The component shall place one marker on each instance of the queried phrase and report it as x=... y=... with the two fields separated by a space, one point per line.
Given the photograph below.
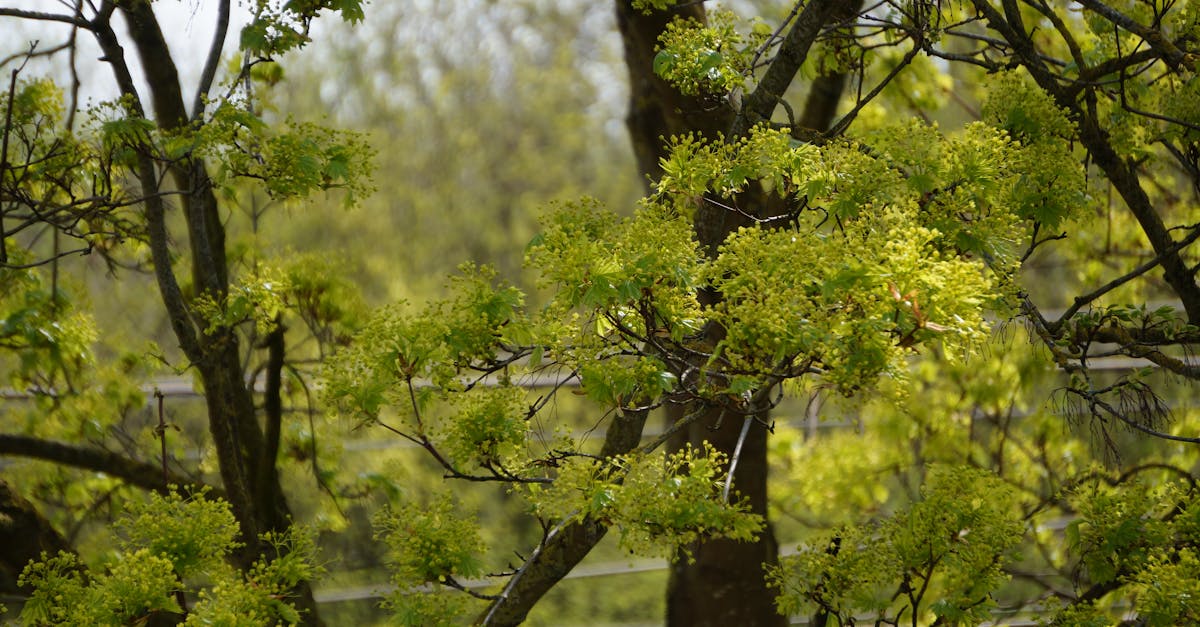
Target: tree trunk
x=28 y=535
x=725 y=584
x=243 y=456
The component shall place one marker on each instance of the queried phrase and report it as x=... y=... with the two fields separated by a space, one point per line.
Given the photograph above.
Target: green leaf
x=710 y=60
x=664 y=61
x=1072 y=533
x=254 y=37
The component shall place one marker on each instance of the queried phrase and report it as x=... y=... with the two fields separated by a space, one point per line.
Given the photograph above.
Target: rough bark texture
x=726 y=585
x=656 y=109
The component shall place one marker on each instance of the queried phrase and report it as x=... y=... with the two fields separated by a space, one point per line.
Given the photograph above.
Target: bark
x=20 y=519
x=136 y=473
x=760 y=105
x=656 y=109
x=726 y=585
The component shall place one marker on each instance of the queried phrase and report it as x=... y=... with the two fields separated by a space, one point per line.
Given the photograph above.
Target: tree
x=822 y=248
x=122 y=171
x=827 y=252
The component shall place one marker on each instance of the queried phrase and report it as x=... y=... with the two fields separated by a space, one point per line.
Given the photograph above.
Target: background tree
x=124 y=170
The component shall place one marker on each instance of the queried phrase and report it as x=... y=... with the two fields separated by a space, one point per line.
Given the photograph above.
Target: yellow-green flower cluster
x=712 y=58
x=952 y=544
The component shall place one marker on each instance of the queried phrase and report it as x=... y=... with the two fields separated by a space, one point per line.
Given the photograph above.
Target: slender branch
x=267 y=471
x=46 y=260
x=41 y=16
x=161 y=431
x=701 y=410
x=1130 y=346
x=845 y=121
x=8 y=110
x=205 y=232
x=72 y=51
x=1064 y=32
x=1098 y=405
x=737 y=456
x=155 y=210
x=134 y=472
x=1091 y=296
x=114 y=54
x=1169 y=51
x=314 y=454
x=774 y=38
x=214 y=60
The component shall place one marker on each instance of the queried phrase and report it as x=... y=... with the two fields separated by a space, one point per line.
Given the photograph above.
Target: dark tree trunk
x=725 y=583
x=246 y=457
x=27 y=534
x=656 y=109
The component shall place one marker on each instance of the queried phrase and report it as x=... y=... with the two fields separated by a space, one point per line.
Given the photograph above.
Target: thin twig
x=161 y=432
x=737 y=455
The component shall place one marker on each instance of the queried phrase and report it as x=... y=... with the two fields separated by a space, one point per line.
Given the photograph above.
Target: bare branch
x=214 y=60
x=1169 y=51
x=845 y=121
x=1091 y=296
x=134 y=472
x=40 y=16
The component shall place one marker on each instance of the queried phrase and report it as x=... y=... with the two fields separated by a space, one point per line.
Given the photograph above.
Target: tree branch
x=136 y=473
x=759 y=106
x=566 y=546
x=266 y=476
x=1118 y=170
x=45 y=17
x=847 y=119
x=200 y=207
x=1130 y=346
x=1169 y=52
x=156 y=228
x=1091 y=296
x=214 y=60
